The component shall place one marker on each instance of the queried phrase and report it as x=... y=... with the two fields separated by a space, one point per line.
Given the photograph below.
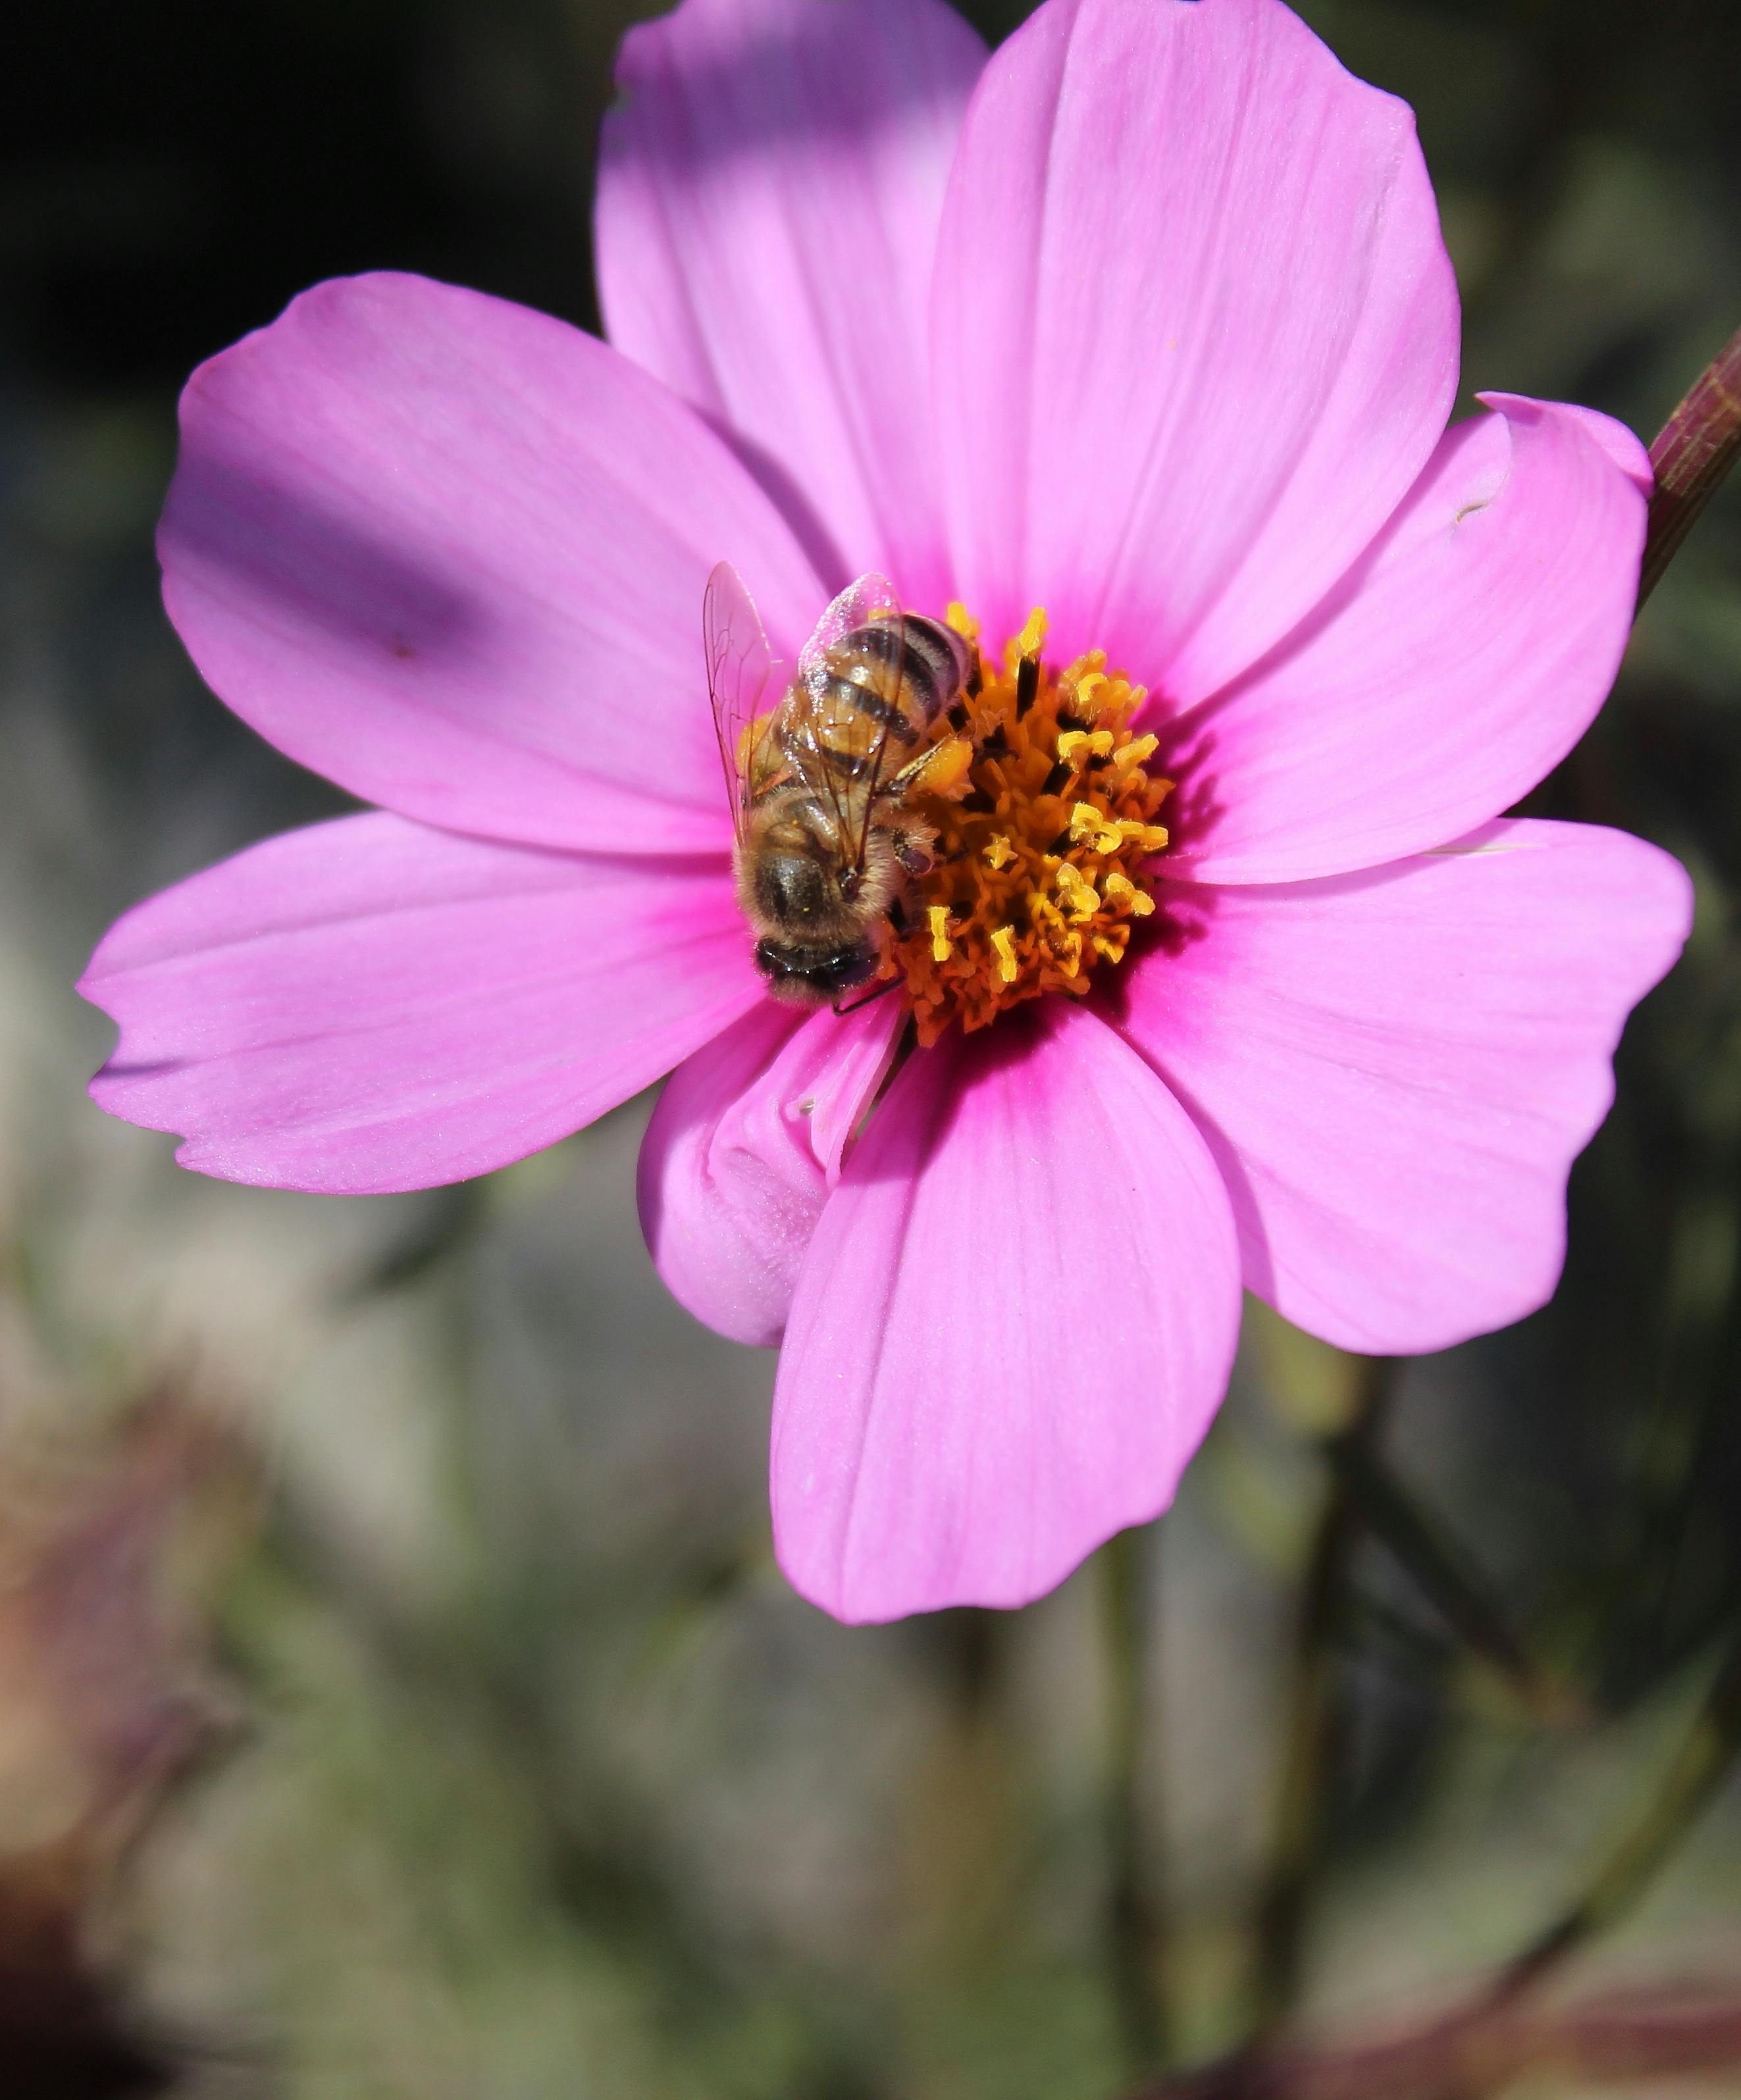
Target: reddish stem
x=1693 y=451
x=1624 y=2039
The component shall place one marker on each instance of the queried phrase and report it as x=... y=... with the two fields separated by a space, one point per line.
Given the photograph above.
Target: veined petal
x=768 y=200
x=1013 y=1325
x=370 y=1004
x=1196 y=331
x=1458 y=663
x=451 y=553
x=1395 y=1070
x=741 y=1152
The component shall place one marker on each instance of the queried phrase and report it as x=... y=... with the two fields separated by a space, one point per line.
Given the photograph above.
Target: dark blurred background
x=396 y=1696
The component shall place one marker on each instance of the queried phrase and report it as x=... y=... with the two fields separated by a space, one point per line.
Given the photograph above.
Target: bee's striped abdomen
x=887 y=682
x=933 y=661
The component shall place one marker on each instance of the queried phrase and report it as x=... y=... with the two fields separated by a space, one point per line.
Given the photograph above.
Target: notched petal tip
x=1453 y=667
x=1011 y=1329
x=1622 y=446
x=1396 y=1069
x=371 y=1005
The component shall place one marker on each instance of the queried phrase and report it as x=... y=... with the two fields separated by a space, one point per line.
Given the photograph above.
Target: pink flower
x=1146 y=319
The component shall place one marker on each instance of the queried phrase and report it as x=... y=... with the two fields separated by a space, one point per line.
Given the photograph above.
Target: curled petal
x=1012 y=1327
x=1457 y=664
x=369 y=1004
x=451 y=553
x=1395 y=1070
x=769 y=195
x=742 y=1150
x=1196 y=331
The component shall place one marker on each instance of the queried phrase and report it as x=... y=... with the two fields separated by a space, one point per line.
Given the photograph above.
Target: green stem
x=1697 y=1770
x=1309 y=1728
x=1451 y=1584
x=1693 y=453
x=1136 y=1936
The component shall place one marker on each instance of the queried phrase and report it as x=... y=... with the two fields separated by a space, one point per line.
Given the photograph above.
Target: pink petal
x=1011 y=1330
x=369 y=1004
x=743 y=1148
x=451 y=553
x=1396 y=1069
x=1196 y=331
x=768 y=200
x=1458 y=662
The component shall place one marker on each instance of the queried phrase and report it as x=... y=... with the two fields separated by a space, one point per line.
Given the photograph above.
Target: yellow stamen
x=1118 y=888
x=1152 y=838
x=1033 y=886
x=1030 y=641
x=1075 y=745
x=1081 y=898
x=1087 y=822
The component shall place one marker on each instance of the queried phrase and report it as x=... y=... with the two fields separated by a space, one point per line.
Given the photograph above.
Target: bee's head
x=796 y=890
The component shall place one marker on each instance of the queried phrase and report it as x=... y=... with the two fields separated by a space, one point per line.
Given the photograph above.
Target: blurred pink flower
x=1145 y=319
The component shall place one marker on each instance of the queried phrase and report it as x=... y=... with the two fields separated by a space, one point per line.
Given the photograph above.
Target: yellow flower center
x=1042 y=854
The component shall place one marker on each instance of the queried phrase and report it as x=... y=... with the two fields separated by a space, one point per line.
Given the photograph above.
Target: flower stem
x=1135 y=1929
x=1693 y=451
x=1436 y=1564
x=1628 y=2039
x=1310 y=1725
x=1697 y=1771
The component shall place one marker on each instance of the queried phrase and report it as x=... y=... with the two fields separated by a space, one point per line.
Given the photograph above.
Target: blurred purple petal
x=769 y=195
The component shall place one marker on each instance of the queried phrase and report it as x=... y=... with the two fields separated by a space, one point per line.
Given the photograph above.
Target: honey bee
x=822 y=786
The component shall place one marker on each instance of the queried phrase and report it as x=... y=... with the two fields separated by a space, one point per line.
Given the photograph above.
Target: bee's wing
x=739 y=664
x=870 y=601
x=858 y=605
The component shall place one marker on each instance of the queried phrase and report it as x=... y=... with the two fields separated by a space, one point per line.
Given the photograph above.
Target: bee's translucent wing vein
x=869 y=599
x=740 y=666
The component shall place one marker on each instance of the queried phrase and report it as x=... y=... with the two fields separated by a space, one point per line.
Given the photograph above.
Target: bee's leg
x=940 y=769
x=880 y=992
x=911 y=845
x=898 y=916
